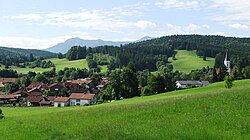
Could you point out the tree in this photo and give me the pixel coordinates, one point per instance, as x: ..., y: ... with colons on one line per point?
x: 1, y: 114
x: 60, y: 55
x: 31, y: 58
x: 246, y: 72
x: 215, y: 77
x: 228, y: 81
x: 92, y: 64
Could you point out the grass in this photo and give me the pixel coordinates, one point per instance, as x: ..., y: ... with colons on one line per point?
x: 211, y: 112
x: 60, y: 64
x: 188, y: 60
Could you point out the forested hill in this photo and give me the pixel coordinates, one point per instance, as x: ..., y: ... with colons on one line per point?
x: 36, y: 53
x: 145, y: 54
x: 13, y: 56
x: 208, y: 43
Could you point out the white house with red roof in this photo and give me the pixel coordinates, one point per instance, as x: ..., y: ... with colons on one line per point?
x: 61, y: 101
x: 81, y: 99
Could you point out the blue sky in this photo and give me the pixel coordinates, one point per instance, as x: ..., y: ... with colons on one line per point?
x: 43, y: 23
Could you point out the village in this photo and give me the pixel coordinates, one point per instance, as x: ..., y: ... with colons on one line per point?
x: 80, y: 92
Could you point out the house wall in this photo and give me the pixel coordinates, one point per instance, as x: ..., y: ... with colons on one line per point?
x: 81, y: 102
x: 61, y: 104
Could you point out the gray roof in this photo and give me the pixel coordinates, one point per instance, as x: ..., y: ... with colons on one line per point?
x: 189, y: 82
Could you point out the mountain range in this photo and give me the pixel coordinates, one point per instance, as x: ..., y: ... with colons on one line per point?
x: 65, y: 46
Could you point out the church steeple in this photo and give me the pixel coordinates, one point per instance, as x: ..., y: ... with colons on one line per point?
x: 227, y: 63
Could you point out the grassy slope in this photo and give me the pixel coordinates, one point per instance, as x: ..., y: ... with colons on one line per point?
x: 211, y: 112
x: 188, y: 60
x: 60, y: 65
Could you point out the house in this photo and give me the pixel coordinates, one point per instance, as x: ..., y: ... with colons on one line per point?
x: 87, y: 82
x: 80, y: 99
x: 35, y: 85
x: 189, y: 84
x: 20, y: 95
x: 56, y: 87
x: 7, y: 99
x: 76, y: 88
x: 103, y: 84
x: 61, y: 101
x: 35, y: 97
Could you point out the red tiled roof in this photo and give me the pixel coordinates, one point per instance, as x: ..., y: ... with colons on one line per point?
x: 20, y: 92
x: 61, y: 99
x: 81, y: 96
x: 45, y: 102
x: 51, y: 98
x: 7, y: 96
x: 56, y: 84
x: 34, y: 99
x: 35, y: 84
x: 35, y: 91
x: 8, y: 80
x: 81, y: 81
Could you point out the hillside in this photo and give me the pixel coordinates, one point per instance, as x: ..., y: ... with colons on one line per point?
x: 26, y: 52
x: 211, y: 112
x: 188, y: 60
x: 60, y: 64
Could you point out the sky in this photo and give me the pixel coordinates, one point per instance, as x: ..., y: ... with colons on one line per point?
x: 39, y: 24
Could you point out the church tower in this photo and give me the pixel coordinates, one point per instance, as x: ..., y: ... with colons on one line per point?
x: 227, y: 63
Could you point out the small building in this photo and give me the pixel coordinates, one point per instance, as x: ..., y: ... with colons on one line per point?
x: 61, y: 101
x: 190, y: 84
x: 56, y: 87
x: 80, y: 99
x: 35, y: 97
x: 20, y: 95
x: 38, y: 85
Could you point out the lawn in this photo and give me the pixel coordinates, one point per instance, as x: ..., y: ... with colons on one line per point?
x: 60, y: 65
x: 211, y: 112
x: 188, y: 60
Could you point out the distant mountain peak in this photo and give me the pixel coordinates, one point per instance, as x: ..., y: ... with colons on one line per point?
x: 145, y: 38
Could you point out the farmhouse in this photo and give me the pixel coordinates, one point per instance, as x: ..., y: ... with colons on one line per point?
x: 80, y: 99
x: 189, y: 84
x: 61, y: 101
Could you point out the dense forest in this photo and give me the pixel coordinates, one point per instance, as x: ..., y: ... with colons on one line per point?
x: 145, y: 54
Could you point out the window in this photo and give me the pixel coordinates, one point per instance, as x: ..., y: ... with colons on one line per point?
x: 77, y: 100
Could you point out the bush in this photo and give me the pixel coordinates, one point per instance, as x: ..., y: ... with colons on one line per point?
x: 228, y: 81
x: 1, y: 114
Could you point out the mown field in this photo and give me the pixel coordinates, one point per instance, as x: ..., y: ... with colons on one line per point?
x: 60, y: 65
x: 211, y: 112
x: 188, y: 60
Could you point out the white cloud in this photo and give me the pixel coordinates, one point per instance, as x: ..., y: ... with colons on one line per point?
x: 187, y: 29
x: 180, y: 4
x: 229, y: 12
x: 143, y: 24
x: 28, y: 17
x: 40, y: 43
x: 238, y: 26
x: 116, y: 19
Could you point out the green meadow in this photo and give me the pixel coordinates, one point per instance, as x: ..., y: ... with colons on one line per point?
x: 60, y: 64
x: 188, y: 60
x: 211, y: 112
